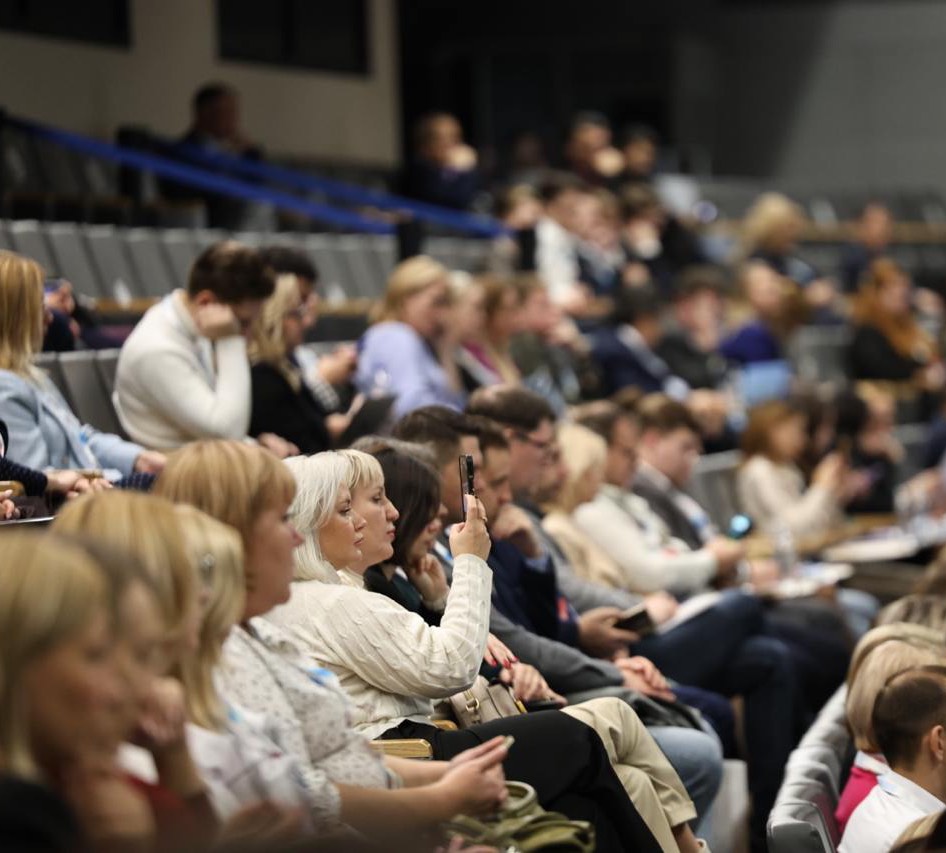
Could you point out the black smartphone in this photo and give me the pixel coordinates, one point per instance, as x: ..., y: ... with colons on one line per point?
x: 637, y: 619
x: 467, y: 472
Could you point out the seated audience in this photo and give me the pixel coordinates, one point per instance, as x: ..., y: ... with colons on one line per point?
x: 282, y: 401
x: 556, y: 252
x: 443, y: 169
x: 625, y: 350
x: 647, y: 555
x: 42, y: 430
x: 656, y: 247
x: 184, y: 373
x: 503, y: 309
x: 633, y: 755
x: 338, y: 535
x: 589, y: 152
x: 908, y: 719
x: 889, y: 344
x: 329, y: 376
x: 215, y: 128
x: 771, y: 487
x: 263, y: 670
x: 639, y: 145
x: 864, y: 433
x: 771, y: 229
x: 549, y: 353
x: 761, y: 336
x: 402, y: 352
x: 82, y: 322
x: 561, y: 649
x: 872, y: 240
x: 690, y: 347
x: 880, y: 654
x: 64, y: 699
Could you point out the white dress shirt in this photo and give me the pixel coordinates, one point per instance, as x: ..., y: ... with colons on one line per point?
x: 885, y: 812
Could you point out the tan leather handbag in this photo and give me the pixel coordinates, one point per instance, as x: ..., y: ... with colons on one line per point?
x: 484, y: 701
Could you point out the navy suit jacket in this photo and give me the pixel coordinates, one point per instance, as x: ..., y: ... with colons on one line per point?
x: 619, y: 366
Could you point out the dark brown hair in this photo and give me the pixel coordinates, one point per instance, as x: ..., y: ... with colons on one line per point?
x: 414, y: 488
x: 665, y: 415
x: 232, y: 272
x: 511, y: 406
x: 908, y: 706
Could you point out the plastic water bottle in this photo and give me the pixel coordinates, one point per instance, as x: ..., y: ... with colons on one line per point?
x: 785, y: 554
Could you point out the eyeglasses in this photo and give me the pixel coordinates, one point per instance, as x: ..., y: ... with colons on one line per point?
x: 545, y: 447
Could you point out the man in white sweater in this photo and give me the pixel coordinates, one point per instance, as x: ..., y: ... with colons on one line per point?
x: 184, y: 374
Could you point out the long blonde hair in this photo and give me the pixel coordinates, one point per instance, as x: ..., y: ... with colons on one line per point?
x: 769, y: 214
x: 50, y: 589
x: 318, y: 481
x: 21, y: 313
x: 583, y: 450
x: 148, y: 527
x: 269, y: 344
x: 231, y: 481
x: 216, y: 551
x: 409, y: 278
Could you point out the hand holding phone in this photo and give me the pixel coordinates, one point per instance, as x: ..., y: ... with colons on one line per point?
x: 467, y: 473
x: 637, y: 619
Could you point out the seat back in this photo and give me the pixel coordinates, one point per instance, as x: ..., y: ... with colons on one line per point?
x: 797, y: 826
x: 106, y: 362
x: 90, y: 398
x: 152, y: 267
x: 714, y: 486
x: 28, y: 239
x: 820, y: 353
x: 73, y: 259
x: 110, y: 255
x: 181, y: 251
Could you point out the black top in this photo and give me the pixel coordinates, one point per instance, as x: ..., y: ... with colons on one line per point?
x: 34, y: 818
x: 873, y: 357
x: 293, y: 415
x: 402, y: 591
x: 697, y: 368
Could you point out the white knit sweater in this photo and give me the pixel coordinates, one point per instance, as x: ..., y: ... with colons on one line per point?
x: 390, y: 662
x: 173, y: 386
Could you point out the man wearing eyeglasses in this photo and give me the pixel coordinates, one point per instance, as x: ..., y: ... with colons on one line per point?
x: 909, y: 721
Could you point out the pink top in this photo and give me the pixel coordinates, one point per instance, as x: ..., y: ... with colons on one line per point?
x: 863, y: 778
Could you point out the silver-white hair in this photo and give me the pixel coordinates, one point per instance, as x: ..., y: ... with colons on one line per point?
x: 318, y: 481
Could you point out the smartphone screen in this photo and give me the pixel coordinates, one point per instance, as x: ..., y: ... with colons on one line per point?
x: 466, y: 481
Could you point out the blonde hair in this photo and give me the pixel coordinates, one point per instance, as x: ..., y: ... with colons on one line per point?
x: 148, y: 527
x: 770, y: 213
x: 917, y: 609
x: 21, y: 313
x: 269, y: 344
x: 881, y: 653
x: 364, y: 470
x: 583, y: 450
x: 318, y: 481
x: 409, y: 278
x: 231, y: 481
x: 216, y: 551
x: 50, y: 589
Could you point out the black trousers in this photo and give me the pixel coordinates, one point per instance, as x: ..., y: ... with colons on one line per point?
x: 566, y: 763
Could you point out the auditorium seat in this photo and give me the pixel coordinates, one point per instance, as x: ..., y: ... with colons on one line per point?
x: 29, y: 239
x: 152, y: 266
x: 714, y: 485
x: 49, y: 361
x: 820, y: 353
x: 112, y: 259
x: 73, y: 260
x: 181, y: 251
x: 91, y: 400
x: 106, y: 362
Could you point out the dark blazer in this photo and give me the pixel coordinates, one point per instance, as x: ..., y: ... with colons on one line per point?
x: 662, y: 504
x: 621, y: 367
x: 293, y: 415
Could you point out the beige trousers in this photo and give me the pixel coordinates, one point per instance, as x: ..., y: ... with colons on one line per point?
x: 650, y: 781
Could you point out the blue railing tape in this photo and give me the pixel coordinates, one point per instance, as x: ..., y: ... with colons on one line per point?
x: 200, y: 178
x: 482, y: 226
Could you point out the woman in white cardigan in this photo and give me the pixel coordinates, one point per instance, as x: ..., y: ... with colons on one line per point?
x: 770, y: 485
x: 393, y: 663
